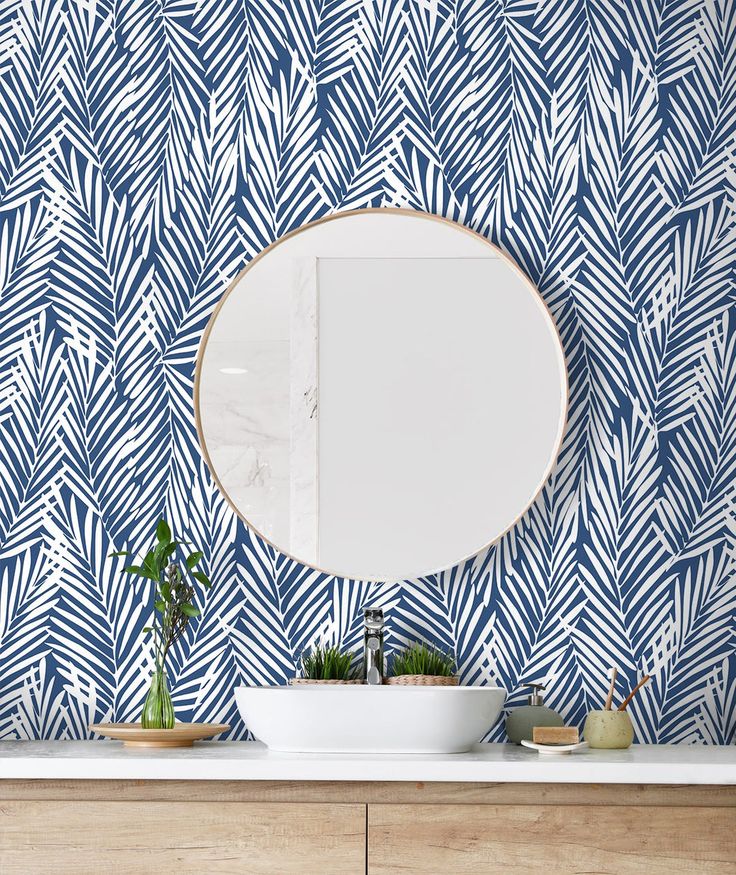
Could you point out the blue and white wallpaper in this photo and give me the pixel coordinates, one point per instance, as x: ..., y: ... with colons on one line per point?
x: 150, y: 148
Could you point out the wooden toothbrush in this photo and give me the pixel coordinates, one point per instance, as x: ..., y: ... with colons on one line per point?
x: 622, y: 706
x: 609, y: 698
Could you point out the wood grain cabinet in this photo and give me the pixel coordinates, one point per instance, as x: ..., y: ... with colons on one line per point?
x: 278, y: 828
x: 181, y: 837
x: 503, y: 839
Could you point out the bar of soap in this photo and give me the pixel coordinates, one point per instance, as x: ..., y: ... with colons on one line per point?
x: 555, y: 735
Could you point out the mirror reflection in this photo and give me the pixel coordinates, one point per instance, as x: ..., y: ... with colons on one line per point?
x: 381, y: 394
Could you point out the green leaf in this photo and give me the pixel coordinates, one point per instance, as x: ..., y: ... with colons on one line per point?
x: 119, y: 553
x: 202, y: 578
x: 142, y: 572
x: 163, y: 552
x: 165, y: 590
x: 152, y: 565
x: 163, y: 532
x: 160, y: 606
x: 147, y: 629
x: 190, y: 610
x: 193, y: 558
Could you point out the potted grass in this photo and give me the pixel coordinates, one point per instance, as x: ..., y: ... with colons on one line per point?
x: 326, y: 665
x: 420, y: 665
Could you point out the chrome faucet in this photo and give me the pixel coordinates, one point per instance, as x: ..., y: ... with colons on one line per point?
x: 373, y: 646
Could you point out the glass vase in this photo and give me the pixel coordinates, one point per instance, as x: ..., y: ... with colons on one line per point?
x: 158, y: 709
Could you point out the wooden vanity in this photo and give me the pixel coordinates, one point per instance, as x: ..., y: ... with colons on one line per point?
x: 91, y: 807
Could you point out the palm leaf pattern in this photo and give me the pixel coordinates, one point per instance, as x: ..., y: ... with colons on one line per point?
x: 148, y: 151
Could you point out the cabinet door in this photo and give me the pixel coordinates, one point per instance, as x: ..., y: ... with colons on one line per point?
x: 181, y: 837
x: 532, y: 839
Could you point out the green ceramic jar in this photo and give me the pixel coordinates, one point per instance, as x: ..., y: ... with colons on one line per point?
x: 608, y: 730
x: 521, y: 722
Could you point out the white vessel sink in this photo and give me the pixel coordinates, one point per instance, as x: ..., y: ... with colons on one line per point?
x: 369, y: 719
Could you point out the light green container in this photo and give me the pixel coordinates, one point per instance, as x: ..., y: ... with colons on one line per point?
x: 608, y: 730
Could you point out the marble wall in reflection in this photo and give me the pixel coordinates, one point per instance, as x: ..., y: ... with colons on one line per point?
x: 259, y: 399
x: 248, y: 440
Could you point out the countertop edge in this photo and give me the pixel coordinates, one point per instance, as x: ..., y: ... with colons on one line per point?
x: 249, y: 761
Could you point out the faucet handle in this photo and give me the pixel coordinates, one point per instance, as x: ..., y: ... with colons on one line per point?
x: 373, y: 618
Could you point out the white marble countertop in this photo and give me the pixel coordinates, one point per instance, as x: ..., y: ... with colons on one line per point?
x: 251, y: 761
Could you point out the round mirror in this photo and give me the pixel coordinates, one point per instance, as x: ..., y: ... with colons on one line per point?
x: 381, y: 394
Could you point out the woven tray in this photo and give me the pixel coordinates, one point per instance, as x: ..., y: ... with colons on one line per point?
x: 423, y: 680
x: 295, y: 681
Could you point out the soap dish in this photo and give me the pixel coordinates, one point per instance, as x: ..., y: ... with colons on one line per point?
x: 555, y: 749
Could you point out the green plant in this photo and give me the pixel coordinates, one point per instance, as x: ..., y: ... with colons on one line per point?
x: 326, y: 664
x: 173, y: 607
x: 418, y: 658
